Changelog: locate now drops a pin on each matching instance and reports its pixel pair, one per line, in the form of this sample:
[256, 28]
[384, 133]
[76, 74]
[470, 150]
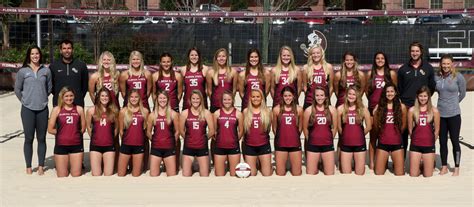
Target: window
[436, 4]
[408, 4]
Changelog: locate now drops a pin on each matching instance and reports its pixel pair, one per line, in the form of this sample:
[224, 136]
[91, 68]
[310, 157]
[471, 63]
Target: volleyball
[242, 170]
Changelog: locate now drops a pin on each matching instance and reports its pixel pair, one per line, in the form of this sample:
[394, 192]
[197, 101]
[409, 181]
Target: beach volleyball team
[139, 136]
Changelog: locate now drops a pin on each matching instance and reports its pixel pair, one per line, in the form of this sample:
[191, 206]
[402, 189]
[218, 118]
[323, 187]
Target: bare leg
[359, 160]
[203, 162]
[187, 165]
[295, 161]
[415, 158]
[122, 164]
[281, 157]
[76, 163]
[137, 162]
[61, 162]
[252, 162]
[381, 162]
[170, 164]
[96, 163]
[266, 164]
[312, 159]
[328, 162]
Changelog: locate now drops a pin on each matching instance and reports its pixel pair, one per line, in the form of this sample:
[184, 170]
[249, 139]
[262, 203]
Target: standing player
[132, 131]
[67, 123]
[348, 75]
[351, 116]
[229, 129]
[390, 117]
[411, 77]
[256, 146]
[106, 76]
[287, 125]
[254, 77]
[164, 121]
[102, 127]
[317, 72]
[32, 87]
[378, 77]
[69, 71]
[194, 74]
[193, 123]
[423, 126]
[168, 80]
[451, 88]
[285, 73]
[221, 78]
[136, 77]
[319, 128]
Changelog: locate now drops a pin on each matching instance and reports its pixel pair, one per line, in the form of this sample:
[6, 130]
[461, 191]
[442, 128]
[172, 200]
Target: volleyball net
[154, 32]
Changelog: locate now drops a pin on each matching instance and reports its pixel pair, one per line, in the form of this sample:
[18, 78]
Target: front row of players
[319, 124]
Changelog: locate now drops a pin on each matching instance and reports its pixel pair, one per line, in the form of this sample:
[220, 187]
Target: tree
[5, 21]
[236, 5]
[167, 5]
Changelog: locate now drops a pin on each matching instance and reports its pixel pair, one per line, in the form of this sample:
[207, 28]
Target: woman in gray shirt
[32, 87]
[451, 88]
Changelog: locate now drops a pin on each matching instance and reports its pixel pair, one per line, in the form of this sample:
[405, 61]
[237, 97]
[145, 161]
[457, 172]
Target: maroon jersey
[102, 131]
[138, 83]
[223, 84]
[377, 87]
[320, 133]
[319, 79]
[252, 82]
[195, 137]
[108, 83]
[163, 134]
[194, 81]
[134, 135]
[423, 133]
[282, 82]
[343, 89]
[390, 134]
[352, 131]
[227, 135]
[256, 136]
[68, 125]
[171, 87]
[288, 134]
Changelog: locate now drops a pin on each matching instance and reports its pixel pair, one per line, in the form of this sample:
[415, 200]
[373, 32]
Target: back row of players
[386, 116]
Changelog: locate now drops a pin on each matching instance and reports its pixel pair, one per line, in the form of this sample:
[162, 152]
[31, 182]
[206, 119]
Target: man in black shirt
[411, 77]
[69, 71]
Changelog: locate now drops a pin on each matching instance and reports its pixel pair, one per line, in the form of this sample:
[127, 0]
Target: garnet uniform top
[377, 87]
[107, 83]
[390, 134]
[423, 135]
[102, 131]
[163, 134]
[68, 125]
[282, 82]
[195, 137]
[288, 134]
[138, 83]
[320, 133]
[171, 87]
[193, 81]
[223, 84]
[227, 135]
[252, 82]
[134, 135]
[319, 79]
[256, 136]
[352, 131]
[341, 95]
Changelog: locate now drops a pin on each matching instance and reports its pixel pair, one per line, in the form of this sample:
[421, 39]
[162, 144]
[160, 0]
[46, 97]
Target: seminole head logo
[314, 39]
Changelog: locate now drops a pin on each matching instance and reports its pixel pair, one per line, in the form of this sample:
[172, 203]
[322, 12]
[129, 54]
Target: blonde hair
[114, 74]
[416, 108]
[358, 103]
[127, 119]
[310, 63]
[142, 64]
[215, 66]
[167, 107]
[63, 91]
[201, 108]
[291, 69]
[264, 113]
[355, 70]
